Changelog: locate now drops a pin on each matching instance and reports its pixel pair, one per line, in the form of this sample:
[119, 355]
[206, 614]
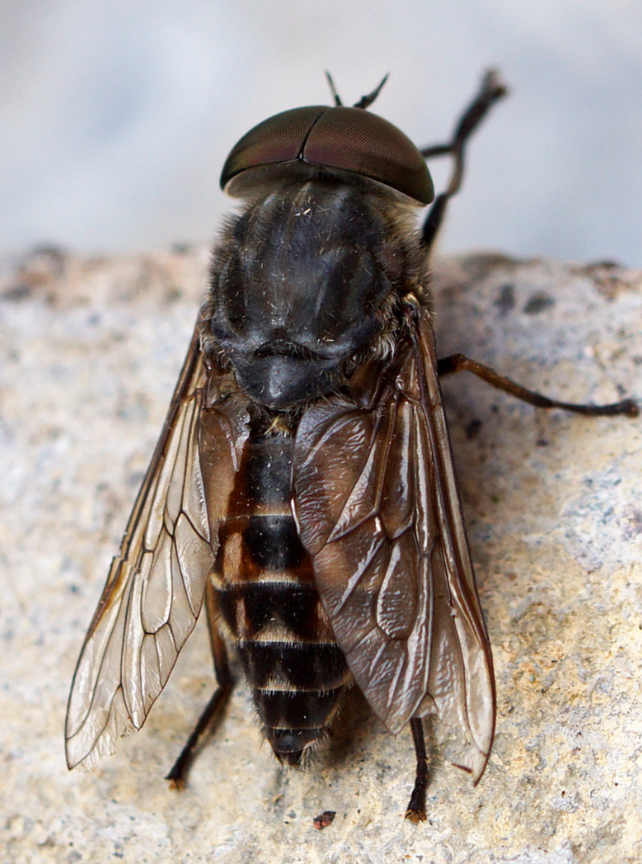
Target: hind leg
[416, 811]
[211, 716]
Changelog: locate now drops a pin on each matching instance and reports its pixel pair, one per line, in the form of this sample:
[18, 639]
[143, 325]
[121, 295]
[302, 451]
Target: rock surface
[91, 349]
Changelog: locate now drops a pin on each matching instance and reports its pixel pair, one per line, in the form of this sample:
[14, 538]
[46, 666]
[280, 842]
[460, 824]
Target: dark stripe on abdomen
[288, 607]
[273, 543]
[285, 709]
[315, 667]
[268, 469]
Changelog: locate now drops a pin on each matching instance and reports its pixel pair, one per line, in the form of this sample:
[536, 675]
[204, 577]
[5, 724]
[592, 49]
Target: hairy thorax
[305, 286]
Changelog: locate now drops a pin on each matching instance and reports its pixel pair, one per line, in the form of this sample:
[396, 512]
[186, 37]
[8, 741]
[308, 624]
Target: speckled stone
[91, 349]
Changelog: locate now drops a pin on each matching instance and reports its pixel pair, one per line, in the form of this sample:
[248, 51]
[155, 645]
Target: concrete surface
[90, 352]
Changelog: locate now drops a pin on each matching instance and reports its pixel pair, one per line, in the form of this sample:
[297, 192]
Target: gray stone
[91, 349]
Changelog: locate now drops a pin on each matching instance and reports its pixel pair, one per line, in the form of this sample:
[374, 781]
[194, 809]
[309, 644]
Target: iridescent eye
[344, 139]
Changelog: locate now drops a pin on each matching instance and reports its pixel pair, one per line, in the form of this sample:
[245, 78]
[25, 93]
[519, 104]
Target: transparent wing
[156, 584]
[378, 509]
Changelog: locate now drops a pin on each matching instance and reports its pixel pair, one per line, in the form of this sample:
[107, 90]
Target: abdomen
[269, 603]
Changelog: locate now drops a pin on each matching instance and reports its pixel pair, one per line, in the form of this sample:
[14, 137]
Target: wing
[378, 509]
[156, 584]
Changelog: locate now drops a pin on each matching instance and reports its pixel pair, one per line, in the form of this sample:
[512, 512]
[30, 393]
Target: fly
[303, 486]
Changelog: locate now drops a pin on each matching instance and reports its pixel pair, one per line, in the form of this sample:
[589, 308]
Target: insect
[303, 486]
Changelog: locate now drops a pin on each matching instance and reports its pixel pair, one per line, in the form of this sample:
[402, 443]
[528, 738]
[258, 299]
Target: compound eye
[345, 139]
[276, 140]
[355, 140]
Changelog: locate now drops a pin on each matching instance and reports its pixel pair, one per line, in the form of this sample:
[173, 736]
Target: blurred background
[116, 117]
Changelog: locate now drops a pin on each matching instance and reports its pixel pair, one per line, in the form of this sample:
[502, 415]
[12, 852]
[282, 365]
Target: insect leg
[213, 712]
[459, 362]
[416, 811]
[490, 91]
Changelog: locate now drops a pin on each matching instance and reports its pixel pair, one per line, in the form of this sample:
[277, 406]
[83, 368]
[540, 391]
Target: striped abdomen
[270, 605]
